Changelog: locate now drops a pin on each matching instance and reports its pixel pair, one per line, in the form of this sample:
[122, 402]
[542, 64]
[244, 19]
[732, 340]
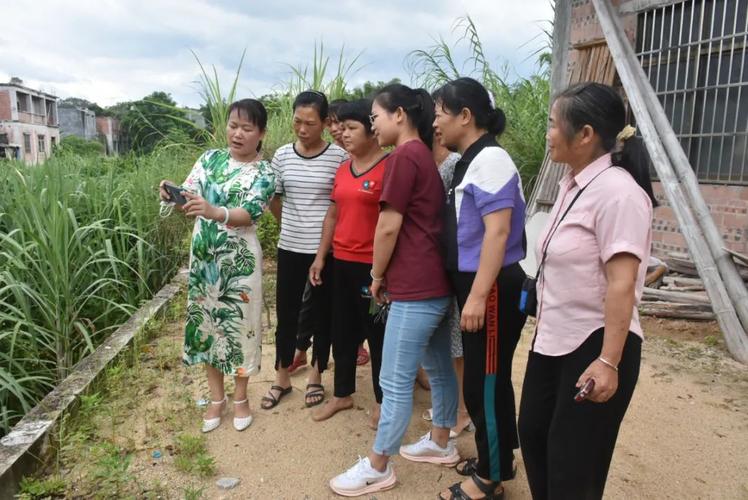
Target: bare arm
[385, 237]
[328, 231]
[276, 204]
[497, 227]
[621, 271]
[197, 206]
[620, 298]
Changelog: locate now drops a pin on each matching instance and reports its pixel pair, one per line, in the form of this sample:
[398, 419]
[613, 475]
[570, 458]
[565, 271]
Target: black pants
[567, 446]
[293, 273]
[352, 324]
[487, 385]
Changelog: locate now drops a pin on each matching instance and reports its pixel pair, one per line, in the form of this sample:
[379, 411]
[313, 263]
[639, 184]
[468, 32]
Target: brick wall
[103, 125]
[729, 208]
[5, 109]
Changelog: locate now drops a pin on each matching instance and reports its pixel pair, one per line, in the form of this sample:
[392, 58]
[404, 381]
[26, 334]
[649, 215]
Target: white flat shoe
[211, 424]
[241, 423]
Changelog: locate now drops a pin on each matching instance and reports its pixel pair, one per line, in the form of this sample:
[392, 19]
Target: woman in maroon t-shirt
[349, 228]
[408, 264]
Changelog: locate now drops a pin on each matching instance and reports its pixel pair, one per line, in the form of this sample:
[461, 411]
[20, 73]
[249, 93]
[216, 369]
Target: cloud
[113, 50]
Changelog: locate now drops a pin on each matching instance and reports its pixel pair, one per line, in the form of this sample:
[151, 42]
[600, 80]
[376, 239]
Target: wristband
[374, 278]
[226, 218]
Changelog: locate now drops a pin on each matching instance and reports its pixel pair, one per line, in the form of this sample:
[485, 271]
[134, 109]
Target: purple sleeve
[488, 202]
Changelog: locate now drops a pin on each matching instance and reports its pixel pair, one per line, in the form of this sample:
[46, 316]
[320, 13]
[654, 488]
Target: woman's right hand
[315, 271]
[163, 193]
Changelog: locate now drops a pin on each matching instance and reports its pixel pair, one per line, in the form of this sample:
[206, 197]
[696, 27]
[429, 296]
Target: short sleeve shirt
[485, 180]
[305, 183]
[412, 186]
[612, 215]
[357, 199]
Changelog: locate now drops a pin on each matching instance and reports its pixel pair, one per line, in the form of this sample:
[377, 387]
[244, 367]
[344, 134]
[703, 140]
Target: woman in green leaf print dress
[227, 191]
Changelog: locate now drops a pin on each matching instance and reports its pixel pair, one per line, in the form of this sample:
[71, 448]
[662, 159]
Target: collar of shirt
[588, 173]
[486, 140]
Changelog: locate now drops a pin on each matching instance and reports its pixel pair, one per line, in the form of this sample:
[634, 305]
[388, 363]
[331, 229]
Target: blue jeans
[417, 332]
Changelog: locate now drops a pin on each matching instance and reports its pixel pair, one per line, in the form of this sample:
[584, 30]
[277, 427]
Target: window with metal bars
[694, 53]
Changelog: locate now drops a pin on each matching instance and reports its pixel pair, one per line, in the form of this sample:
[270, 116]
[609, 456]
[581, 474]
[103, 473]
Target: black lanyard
[548, 240]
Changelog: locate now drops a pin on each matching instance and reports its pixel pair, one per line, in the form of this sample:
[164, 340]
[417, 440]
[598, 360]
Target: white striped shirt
[305, 183]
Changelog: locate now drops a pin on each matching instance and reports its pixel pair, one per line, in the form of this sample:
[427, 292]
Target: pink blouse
[613, 215]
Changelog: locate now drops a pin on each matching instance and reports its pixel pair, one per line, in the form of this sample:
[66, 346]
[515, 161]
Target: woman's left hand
[606, 381]
[473, 314]
[197, 206]
[377, 289]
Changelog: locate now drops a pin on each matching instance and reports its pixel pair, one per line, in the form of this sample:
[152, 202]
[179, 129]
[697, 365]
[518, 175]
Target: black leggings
[351, 325]
[293, 274]
[567, 446]
[487, 385]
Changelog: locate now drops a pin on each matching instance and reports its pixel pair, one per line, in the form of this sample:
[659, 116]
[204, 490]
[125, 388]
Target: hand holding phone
[585, 390]
[175, 193]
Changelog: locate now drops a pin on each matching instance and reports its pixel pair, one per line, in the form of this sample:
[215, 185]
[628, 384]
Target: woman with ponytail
[408, 273]
[484, 238]
[584, 360]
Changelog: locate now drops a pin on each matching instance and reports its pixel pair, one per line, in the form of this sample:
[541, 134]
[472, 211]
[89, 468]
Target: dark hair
[335, 106]
[600, 107]
[254, 111]
[417, 105]
[469, 93]
[357, 110]
[315, 99]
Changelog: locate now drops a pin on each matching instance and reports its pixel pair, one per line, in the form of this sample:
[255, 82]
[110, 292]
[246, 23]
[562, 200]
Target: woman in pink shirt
[593, 257]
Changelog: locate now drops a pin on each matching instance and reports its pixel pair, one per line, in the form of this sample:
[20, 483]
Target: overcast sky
[109, 51]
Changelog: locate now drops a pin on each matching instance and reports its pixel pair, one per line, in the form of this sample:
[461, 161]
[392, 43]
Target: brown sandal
[317, 391]
[269, 402]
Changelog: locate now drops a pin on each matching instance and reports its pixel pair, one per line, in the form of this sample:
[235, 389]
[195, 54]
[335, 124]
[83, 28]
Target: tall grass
[81, 242]
[81, 245]
[524, 101]
[320, 75]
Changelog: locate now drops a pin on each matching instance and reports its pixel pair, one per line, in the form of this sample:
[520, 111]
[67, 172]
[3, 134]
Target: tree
[83, 103]
[368, 89]
[152, 119]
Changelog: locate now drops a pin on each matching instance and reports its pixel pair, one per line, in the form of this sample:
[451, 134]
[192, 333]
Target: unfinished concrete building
[77, 121]
[29, 129]
[111, 134]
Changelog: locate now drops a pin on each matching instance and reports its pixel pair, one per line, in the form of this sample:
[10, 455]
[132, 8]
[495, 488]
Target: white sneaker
[362, 479]
[425, 450]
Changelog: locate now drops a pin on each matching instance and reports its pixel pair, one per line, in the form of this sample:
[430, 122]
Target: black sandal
[271, 400]
[469, 466]
[488, 490]
[318, 390]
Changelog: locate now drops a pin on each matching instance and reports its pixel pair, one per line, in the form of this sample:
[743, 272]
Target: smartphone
[175, 193]
[585, 390]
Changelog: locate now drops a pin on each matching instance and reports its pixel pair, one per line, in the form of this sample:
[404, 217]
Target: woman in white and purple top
[484, 240]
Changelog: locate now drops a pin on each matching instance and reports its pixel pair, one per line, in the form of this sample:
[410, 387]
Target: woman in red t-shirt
[408, 273]
[349, 228]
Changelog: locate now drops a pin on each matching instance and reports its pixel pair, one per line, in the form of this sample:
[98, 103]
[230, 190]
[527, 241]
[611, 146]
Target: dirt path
[685, 435]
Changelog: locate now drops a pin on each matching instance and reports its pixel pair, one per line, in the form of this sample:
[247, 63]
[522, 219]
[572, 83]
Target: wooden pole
[560, 51]
[725, 265]
[735, 336]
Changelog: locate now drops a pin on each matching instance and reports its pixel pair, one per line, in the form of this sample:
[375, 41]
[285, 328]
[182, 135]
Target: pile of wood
[674, 289]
